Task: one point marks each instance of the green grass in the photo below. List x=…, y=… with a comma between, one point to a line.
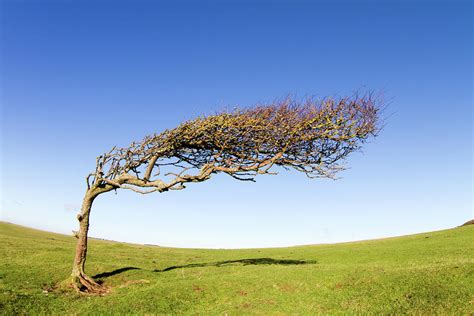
x=430, y=273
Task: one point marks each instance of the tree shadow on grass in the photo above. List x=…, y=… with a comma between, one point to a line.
x=254, y=261
x=114, y=272
x=245, y=262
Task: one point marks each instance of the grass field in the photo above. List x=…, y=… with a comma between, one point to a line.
x=423, y=274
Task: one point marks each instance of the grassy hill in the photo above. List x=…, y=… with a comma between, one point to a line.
x=423, y=274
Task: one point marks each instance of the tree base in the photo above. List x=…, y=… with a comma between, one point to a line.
x=82, y=283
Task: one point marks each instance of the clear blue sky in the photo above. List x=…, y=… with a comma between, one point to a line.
x=80, y=77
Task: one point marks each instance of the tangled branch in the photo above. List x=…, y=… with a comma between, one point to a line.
x=312, y=137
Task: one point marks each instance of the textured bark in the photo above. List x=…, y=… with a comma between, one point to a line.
x=80, y=280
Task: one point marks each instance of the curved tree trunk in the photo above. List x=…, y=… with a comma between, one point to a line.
x=80, y=280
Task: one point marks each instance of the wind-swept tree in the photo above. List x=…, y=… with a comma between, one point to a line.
x=312, y=137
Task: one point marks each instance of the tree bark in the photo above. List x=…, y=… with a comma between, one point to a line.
x=80, y=280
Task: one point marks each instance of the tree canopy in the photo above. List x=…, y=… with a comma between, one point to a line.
x=312, y=136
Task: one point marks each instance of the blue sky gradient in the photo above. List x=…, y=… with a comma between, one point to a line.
x=79, y=77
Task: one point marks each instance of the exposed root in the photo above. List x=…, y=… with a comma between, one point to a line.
x=82, y=283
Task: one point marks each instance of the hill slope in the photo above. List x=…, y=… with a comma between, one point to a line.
x=425, y=273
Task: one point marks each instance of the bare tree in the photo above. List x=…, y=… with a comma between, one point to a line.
x=312, y=137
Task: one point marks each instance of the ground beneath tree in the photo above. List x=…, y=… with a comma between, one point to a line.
x=430, y=273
